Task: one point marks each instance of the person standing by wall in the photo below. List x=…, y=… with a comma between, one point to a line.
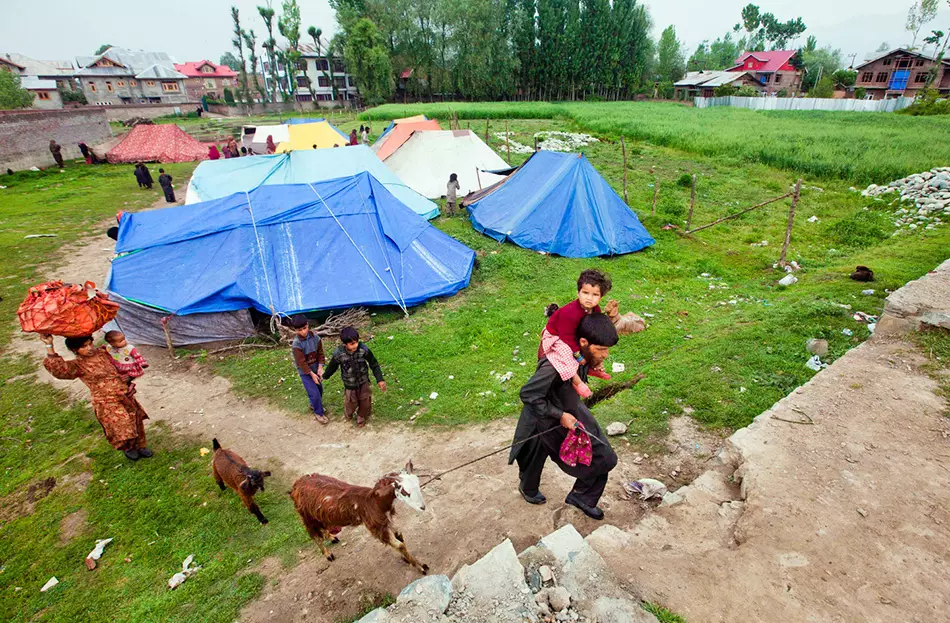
x=57, y=151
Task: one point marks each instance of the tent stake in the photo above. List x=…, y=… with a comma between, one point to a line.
x=692, y=203
x=479, y=178
x=623, y=147
x=796, y=194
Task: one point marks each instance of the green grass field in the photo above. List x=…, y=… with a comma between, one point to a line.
x=860, y=148
x=722, y=347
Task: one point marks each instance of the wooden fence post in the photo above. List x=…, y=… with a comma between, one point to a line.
x=623, y=147
x=656, y=192
x=692, y=204
x=791, y=221
x=486, y=131
x=507, y=142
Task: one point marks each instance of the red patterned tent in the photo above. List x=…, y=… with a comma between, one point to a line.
x=158, y=143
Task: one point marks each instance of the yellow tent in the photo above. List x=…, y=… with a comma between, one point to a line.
x=306, y=135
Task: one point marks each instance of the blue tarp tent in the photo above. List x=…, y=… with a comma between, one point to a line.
x=214, y=179
x=559, y=204
x=287, y=249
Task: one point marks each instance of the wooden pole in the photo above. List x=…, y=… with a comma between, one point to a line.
x=656, y=192
x=507, y=142
x=479, y=178
x=168, y=336
x=623, y=147
x=486, y=131
x=692, y=204
x=796, y=195
x=731, y=216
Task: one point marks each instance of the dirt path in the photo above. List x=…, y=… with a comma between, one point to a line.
x=468, y=513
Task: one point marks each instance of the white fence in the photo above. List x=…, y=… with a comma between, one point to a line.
x=805, y=103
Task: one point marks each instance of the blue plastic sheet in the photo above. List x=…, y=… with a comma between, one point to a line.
x=287, y=249
x=559, y=204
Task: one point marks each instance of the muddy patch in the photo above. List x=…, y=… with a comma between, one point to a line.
x=72, y=526
x=21, y=502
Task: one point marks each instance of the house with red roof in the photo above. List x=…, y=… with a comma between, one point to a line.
x=774, y=70
x=206, y=78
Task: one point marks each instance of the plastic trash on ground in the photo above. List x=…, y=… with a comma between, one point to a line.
x=618, y=367
x=96, y=553
x=186, y=570
x=788, y=280
x=49, y=584
x=815, y=364
x=646, y=488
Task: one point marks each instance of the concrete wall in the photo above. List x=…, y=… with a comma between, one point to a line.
x=260, y=109
x=25, y=135
x=123, y=112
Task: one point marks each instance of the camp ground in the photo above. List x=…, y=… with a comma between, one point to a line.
x=427, y=159
x=214, y=179
x=279, y=250
x=157, y=143
x=558, y=203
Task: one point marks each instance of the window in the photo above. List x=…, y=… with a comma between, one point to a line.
x=301, y=65
x=108, y=86
x=120, y=83
x=919, y=62
x=882, y=76
x=749, y=65
x=887, y=61
x=867, y=76
x=338, y=67
x=303, y=81
x=132, y=83
x=149, y=83
x=42, y=95
x=339, y=82
x=921, y=77
x=209, y=84
x=323, y=81
x=778, y=78
x=322, y=64
x=92, y=87
x=170, y=87
x=207, y=69
x=226, y=82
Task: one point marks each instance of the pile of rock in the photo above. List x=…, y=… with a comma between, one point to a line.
x=928, y=191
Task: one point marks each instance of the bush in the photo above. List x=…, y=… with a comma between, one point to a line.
x=862, y=229
x=783, y=93
x=685, y=180
x=725, y=90
x=666, y=90
x=748, y=90
x=860, y=93
x=824, y=89
x=228, y=96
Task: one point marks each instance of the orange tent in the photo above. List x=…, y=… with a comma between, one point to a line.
x=158, y=143
x=401, y=133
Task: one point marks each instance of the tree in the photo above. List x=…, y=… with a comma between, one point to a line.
x=884, y=47
x=250, y=40
x=824, y=89
x=230, y=60
x=919, y=15
x=228, y=96
x=765, y=30
x=289, y=26
x=238, y=43
x=315, y=34
x=818, y=63
x=270, y=48
x=860, y=93
x=670, y=66
x=844, y=78
x=69, y=95
x=368, y=61
x=699, y=61
x=936, y=36
x=12, y=95
x=102, y=48
x=747, y=90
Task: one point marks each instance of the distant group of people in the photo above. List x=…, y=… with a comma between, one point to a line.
x=228, y=150
x=144, y=178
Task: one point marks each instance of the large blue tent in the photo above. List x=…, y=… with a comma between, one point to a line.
x=287, y=249
x=214, y=179
x=559, y=204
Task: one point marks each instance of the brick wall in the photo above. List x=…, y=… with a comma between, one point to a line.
x=25, y=135
x=260, y=109
x=124, y=112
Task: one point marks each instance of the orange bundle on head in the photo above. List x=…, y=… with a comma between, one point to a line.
x=65, y=309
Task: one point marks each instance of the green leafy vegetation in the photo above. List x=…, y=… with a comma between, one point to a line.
x=662, y=614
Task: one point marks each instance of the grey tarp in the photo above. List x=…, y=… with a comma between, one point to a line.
x=143, y=325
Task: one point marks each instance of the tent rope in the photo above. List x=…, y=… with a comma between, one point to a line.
x=360, y=251
x=260, y=252
x=382, y=251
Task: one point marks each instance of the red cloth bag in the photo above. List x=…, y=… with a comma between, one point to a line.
x=577, y=448
x=65, y=309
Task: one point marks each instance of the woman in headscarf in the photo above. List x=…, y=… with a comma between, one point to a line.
x=354, y=140
x=271, y=147
x=213, y=153
x=233, y=148
x=113, y=396
x=57, y=151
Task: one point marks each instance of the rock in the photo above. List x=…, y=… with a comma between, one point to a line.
x=433, y=591
x=671, y=498
x=616, y=428
x=612, y=610
x=379, y=615
x=559, y=599
x=817, y=347
x=496, y=578
x=547, y=575
x=867, y=292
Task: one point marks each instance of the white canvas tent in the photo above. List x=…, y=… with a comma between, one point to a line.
x=425, y=161
x=257, y=140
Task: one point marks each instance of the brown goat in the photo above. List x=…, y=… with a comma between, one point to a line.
x=228, y=468
x=325, y=504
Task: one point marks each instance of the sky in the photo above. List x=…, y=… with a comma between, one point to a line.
x=191, y=30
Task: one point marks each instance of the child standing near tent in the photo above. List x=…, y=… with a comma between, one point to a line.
x=307, y=349
x=364, y=135
x=165, y=181
x=355, y=360
x=353, y=138
x=451, y=194
x=559, y=340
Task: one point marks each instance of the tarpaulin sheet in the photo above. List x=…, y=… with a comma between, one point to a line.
x=257, y=140
x=158, y=143
x=400, y=134
x=214, y=179
x=287, y=249
x=559, y=204
x=394, y=123
x=323, y=134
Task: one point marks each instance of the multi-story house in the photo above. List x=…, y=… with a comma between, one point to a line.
x=44, y=79
x=314, y=70
x=773, y=70
x=205, y=78
x=120, y=76
x=901, y=73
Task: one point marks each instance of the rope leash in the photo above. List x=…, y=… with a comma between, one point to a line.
x=508, y=447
